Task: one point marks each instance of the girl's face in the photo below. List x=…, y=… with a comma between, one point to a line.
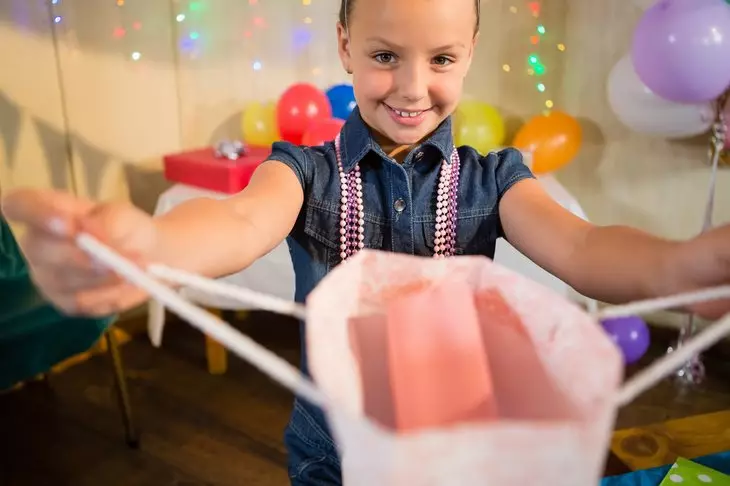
x=408, y=59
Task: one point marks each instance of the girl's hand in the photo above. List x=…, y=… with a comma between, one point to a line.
x=63, y=273
x=703, y=262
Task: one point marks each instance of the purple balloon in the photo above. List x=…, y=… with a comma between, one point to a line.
x=631, y=335
x=681, y=49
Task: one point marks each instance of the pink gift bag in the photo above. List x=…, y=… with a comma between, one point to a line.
x=538, y=380
x=547, y=392
x=422, y=360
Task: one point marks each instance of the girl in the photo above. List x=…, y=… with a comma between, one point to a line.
x=391, y=181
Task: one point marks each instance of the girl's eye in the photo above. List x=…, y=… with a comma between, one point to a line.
x=384, y=57
x=442, y=61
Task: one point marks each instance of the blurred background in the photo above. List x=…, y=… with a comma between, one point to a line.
x=96, y=94
x=93, y=94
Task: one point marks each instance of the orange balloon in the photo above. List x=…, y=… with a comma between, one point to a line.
x=553, y=139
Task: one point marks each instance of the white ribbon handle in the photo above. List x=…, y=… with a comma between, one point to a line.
x=258, y=299
x=268, y=362
x=290, y=377
x=664, y=303
x=671, y=362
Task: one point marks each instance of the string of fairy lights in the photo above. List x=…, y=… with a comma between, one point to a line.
x=538, y=41
x=190, y=37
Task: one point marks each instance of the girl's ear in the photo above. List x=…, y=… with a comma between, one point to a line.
x=343, y=47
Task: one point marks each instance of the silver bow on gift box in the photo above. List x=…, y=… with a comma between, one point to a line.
x=230, y=149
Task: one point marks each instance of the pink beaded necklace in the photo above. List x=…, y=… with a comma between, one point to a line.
x=352, y=216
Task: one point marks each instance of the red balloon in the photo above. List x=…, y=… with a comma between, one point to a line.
x=298, y=107
x=321, y=132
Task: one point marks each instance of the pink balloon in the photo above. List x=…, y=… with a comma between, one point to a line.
x=322, y=131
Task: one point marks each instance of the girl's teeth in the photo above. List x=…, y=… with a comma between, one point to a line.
x=407, y=114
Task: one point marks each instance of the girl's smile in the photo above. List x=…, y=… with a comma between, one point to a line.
x=407, y=83
x=408, y=118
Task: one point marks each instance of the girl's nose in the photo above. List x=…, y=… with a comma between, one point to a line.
x=413, y=83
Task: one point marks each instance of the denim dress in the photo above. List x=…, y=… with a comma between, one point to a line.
x=400, y=213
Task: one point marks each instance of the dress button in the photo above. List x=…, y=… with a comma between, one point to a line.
x=399, y=205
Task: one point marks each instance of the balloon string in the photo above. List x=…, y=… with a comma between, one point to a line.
x=717, y=141
x=688, y=346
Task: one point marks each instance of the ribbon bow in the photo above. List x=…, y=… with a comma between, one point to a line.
x=230, y=149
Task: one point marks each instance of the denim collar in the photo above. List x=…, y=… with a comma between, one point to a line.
x=357, y=141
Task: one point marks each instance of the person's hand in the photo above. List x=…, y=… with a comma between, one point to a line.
x=700, y=263
x=63, y=273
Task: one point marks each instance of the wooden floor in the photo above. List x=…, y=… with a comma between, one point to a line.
x=202, y=429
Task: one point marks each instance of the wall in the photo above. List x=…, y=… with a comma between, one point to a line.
x=33, y=145
x=623, y=177
x=79, y=112
x=75, y=112
x=111, y=117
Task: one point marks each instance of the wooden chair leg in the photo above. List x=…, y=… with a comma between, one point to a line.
x=216, y=355
x=120, y=382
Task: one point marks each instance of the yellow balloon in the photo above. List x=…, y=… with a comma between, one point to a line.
x=478, y=125
x=258, y=124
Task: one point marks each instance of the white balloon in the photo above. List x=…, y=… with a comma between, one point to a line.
x=637, y=107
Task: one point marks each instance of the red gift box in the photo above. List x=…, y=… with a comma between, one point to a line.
x=205, y=169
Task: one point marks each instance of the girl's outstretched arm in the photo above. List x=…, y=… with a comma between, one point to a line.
x=220, y=237
x=207, y=236
x=611, y=263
